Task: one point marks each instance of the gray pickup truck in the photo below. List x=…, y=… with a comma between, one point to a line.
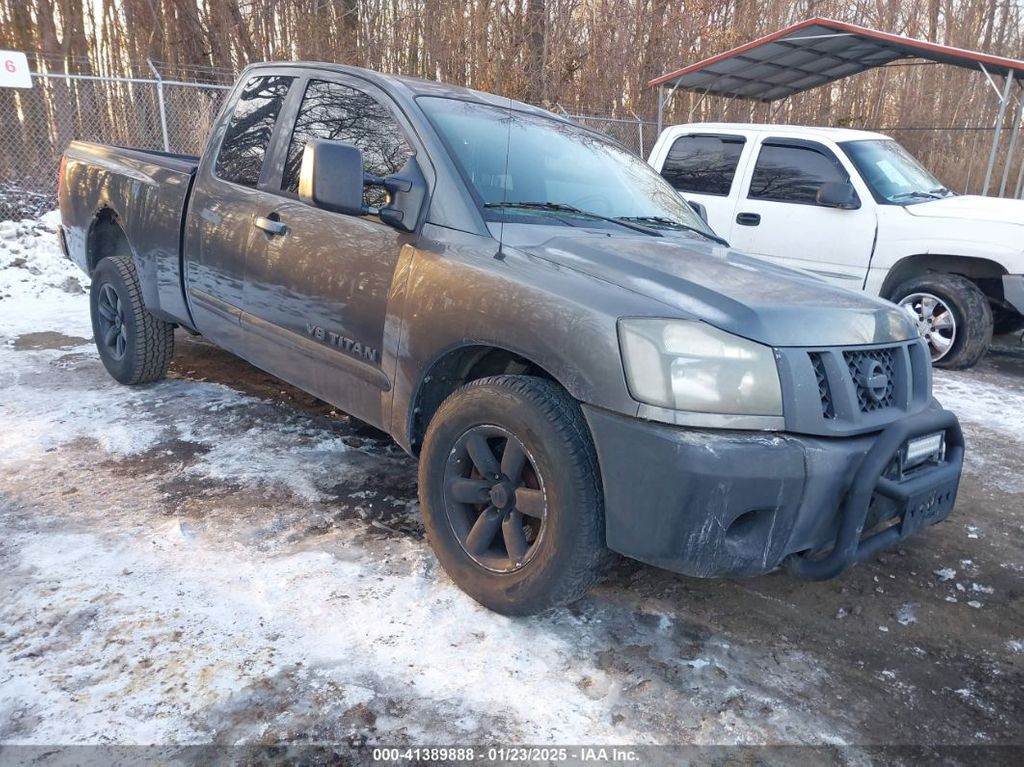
x=581, y=366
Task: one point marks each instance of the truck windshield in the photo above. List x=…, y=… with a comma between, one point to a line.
x=892, y=172
x=534, y=169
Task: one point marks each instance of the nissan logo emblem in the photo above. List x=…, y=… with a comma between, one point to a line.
x=872, y=378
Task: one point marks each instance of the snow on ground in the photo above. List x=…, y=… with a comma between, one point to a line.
x=991, y=413
x=203, y=600
x=992, y=406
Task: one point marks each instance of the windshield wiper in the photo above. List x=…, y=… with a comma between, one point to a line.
x=559, y=207
x=945, y=192
x=917, y=193
x=669, y=223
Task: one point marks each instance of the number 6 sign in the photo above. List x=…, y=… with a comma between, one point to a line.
x=14, y=72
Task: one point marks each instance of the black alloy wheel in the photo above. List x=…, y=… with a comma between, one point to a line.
x=494, y=498
x=510, y=493
x=111, y=322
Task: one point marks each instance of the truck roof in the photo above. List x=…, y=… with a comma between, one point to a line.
x=801, y=131
x=414, y=86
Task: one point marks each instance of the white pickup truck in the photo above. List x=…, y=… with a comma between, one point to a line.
x=856, y=209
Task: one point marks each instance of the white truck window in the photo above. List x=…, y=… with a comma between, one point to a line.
x=703, y=164
x=892, y=172
x=793, y=173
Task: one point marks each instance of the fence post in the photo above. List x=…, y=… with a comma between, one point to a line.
x=160, y=102
x=640, y=130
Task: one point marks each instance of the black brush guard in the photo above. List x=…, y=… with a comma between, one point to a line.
x=925, y=498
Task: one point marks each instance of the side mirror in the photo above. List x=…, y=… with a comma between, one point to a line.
x=699, y=209
x=408, y=191
x=838, y=194
x=331, y=177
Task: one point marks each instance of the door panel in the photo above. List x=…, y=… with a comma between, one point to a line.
x=316, y=293
x=776, y=215
x=220, y=213
x=221, y=233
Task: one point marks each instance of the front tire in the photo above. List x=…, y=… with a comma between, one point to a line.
x=511, y=496
x=135, y=346
x=953, y=315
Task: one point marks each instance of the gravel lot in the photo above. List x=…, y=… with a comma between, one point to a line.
x=220, y=558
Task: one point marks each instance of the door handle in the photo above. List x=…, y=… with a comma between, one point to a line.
x=748, y=219
x=270, y=226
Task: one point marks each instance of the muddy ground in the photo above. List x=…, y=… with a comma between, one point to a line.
x=219, y=558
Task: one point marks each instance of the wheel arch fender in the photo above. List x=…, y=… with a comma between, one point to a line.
x=106, y=236
x=109, y=234
x=974, y=268
x=456, y=365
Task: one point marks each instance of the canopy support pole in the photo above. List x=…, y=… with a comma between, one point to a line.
x=1013, y=141
x=1019, y=192
x=1004, y=99
x=661, y=107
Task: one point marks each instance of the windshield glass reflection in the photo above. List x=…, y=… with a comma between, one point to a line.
x=892, y=172
x=531, y=168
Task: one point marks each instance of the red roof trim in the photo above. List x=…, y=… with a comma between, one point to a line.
x=923, y=46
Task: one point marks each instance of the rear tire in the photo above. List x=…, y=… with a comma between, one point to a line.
x=135, y=346
x=518, y=540
x=953, y=314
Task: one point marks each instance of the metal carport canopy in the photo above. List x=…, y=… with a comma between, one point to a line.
x=820, y=51
x=816, y=52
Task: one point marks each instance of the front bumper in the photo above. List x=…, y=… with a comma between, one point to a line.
x=712, y=503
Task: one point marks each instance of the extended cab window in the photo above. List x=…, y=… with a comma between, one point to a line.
x=703, y=164
x=248, y=135
x=791, y=173
x=340, y=113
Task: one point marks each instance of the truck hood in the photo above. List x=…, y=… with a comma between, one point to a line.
x=732, y=291
x=971, y=207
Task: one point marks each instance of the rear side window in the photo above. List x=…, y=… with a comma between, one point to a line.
x=787, y=173
x=703, y=164
x=339, y=113
x=241, y=155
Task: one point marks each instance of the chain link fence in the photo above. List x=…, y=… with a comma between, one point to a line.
x=636, y=135
x=37, y=124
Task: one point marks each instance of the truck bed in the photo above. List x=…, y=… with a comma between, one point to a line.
x=145, y=192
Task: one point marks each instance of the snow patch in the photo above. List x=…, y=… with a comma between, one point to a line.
x=981, y=403
x=905, y=615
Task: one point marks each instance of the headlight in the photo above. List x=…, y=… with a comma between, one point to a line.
x=692, y=366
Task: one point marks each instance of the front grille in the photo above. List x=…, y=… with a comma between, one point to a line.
x=824, y=390
x=874, y=377
x=853, y=389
